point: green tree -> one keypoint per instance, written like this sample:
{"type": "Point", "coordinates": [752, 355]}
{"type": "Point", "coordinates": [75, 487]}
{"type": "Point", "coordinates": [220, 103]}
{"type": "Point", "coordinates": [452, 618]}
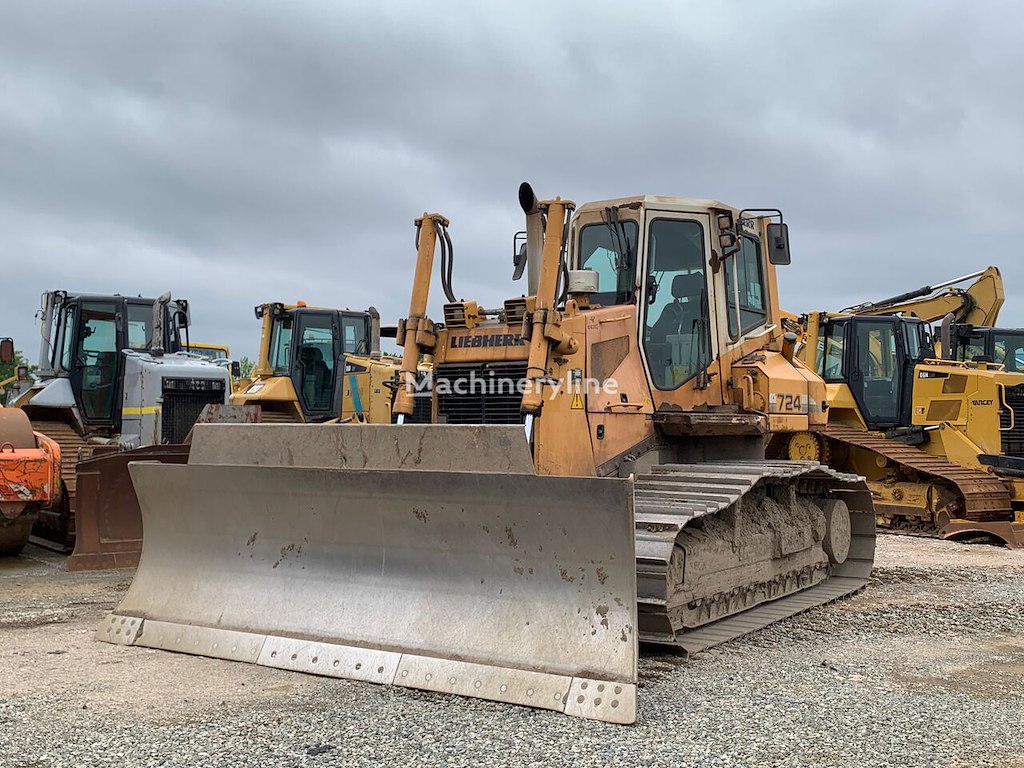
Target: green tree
{"type": "Point", "coordinates": [247, 365]}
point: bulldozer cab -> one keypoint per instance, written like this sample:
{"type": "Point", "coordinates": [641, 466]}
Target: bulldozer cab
{"type": "Point", "coordinates": [1003, 346]}
{"type": "Point", "coordinates": [876, 357]}
{"type": "Point", "coordinates": [89, 334]}
{"type": "Point", "coordinates": [310, 346]}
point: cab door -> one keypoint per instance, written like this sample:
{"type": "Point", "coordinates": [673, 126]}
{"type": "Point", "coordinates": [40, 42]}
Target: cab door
{"type": "Point", "coordinates": [315, 364]}
{"type": "Point", "coordinates": [95, 364]}
{"type": "Point", "coordinates": [875, 360]}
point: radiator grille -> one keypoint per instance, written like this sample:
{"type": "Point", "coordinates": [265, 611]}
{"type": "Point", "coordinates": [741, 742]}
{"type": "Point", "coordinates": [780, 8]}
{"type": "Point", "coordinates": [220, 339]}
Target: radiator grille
{"type": "Point", "coordinates": [180, 411]}
{"type": "Point", "coordinates": [421, 408]}
{"type": "Point", "coordinates": [481, 393]}
{"type": "Point", "coordinates": [1013, 438]}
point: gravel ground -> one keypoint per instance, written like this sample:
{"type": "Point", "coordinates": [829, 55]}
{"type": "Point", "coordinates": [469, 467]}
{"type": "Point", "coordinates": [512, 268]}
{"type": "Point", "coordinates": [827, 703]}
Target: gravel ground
{"type": "Point", "coordinates": [925, 668]}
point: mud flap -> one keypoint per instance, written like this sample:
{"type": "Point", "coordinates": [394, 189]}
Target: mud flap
{"type": "Point", "coordinates": [500, 585]}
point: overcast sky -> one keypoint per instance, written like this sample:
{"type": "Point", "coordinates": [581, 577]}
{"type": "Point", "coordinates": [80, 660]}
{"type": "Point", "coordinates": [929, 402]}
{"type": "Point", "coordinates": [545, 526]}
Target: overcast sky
{"type": "Point", "coordinates": [241, 152]}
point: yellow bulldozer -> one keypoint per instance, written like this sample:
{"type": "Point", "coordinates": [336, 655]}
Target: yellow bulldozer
{"type": "Point", "coordinates": [937, 439]}
{"type": "Point", "coordinates": [597, 477]}
{"type": "Point", "coordinates": [317, 365]}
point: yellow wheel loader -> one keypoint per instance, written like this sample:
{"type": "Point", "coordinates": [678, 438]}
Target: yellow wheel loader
{"type": "Point", "coordinates": [936, 439]}
{"type": "Point", "coordinates": [599, 478]}
{"type": "Point", "coordinates": [317, 364]}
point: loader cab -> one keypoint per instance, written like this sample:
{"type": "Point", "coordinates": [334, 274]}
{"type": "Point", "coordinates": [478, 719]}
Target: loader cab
{"type": "Point", "coordinates": [876, 357]}
{"type": "Point", "coordinates": [310, 346]}
{"type": "Point", "coordinates": [1004, 346]}
{"type": "Point", "coordinates": [89, 335]}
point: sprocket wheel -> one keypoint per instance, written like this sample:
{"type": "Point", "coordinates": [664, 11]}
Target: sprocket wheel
{"type": "Point", "coordinates": [808, 446]}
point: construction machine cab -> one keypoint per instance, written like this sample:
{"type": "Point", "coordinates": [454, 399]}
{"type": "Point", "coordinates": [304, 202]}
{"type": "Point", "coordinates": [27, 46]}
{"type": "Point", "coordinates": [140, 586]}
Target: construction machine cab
{"type": "Point", "coordinates": [86, 337]}
{"type": "Point", "coordinates": [1002, 346]}
{"type": "Point", "coordinates": [310, 347]}
{"type": "Point", "coordinates": [876, 357]}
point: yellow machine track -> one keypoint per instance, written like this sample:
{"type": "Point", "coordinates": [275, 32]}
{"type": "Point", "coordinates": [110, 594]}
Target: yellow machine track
{"type": "Point", "coordinates": [983, 499]}
{"type": "Point", "coordinates": [759, 570]}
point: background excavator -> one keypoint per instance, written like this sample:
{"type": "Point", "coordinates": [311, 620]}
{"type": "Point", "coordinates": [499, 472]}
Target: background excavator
{"type": "Point", "coordinates": [519, 550]}
{"type": "Point", "coordinates": [937, 439]}
{"type": "Point", "coordinates": [317, 364]}
{"type": "Point", "coordinates": [29, 470]}
{"type": "Point", "coordinates": [111, 377]}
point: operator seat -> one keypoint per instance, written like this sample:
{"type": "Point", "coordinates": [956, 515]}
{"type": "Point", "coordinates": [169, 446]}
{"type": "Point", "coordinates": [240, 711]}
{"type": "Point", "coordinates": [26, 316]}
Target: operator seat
{"type": "Point", "coordinates": [678, 317]}
{"type": "Point", "coordinates": [315, 378]}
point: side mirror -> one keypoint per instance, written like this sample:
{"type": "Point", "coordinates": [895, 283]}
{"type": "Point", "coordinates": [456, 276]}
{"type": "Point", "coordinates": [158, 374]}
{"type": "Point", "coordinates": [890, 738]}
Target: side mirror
{"type": "Point", "coordinates": [22, 373]}
{"type": "Point", "coordinates": [778, 244]}
{"type": "Point", "coordinates": [6, 351]}
{"type": "Point", "coordinates": [236, 369]}
{"type": "Point", "coordinates": [183, 315]}
{"type": "Point", "coordinates": [519, 258]}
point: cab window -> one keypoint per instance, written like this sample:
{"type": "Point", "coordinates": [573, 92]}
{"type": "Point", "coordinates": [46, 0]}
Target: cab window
{"type": "Point", "coordinates": [1009, 350]}
{"type": "Point", "coordinates": [67, 332]}
{"type": "Point", "coordinates": [96, 359]}
{"type": "Point", "coordinates": [744, 283]}
{"type": "Point", "coordinates": [140, 326]}
{"type": "Point", "coordinates": [610, 251]}
{"type": "Point", "coordinates": [830, 352]}
{"type": "Point", "coordinates": [355, 336]}
{"type": "Point", "coordinates": [280, 345]}
{"type": "Point", "coordinates": [677, 337]}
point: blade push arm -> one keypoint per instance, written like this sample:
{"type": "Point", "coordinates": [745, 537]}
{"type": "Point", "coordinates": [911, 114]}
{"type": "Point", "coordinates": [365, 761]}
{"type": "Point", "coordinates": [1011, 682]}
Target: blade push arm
{"type": "Point", "coordinates": [415, 333]}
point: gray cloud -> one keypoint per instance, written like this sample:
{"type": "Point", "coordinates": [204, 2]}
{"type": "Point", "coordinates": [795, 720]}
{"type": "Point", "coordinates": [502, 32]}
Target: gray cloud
{"type": "Point", "coordinates": [236, 153]}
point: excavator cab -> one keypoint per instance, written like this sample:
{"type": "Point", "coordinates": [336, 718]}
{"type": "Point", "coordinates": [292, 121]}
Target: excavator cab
{"type": "Point", "coordinates": [1003, 346]}
{"type": "Point", "coordinates": [876, 357]}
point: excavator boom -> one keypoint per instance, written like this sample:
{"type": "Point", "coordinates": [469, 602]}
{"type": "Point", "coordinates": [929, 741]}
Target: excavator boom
{"type": "Point", "coordinates": [977, 304]}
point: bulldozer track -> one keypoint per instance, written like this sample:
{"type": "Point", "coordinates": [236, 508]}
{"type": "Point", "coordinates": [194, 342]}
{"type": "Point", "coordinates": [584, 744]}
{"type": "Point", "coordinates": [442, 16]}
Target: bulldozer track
{"type": "Point", "coordinates": [72, 448]}
{"type": "Point", "coordinates": [674, 495]}
{"type": "Point", "coordinates": [984, 495]}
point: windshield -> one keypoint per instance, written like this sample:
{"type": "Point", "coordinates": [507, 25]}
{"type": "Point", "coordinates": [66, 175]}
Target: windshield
{"type": "Point", "coordinates": [609, 249]}
{"type": "Point", "coordinates": [140, 328]}
{"type": "Point", "coordinates": [280, 345]}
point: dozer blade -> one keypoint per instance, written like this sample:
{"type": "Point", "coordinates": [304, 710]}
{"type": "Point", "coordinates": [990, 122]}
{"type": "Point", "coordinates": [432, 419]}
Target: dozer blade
{"type": "Point", "coordinates": [108, 523]}
{"type": "Point", "coordinates": [303, 547]}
